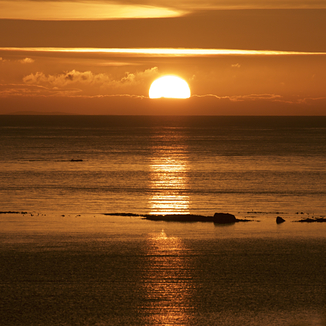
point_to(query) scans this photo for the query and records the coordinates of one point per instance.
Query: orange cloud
(89, 83)
(163, 52)
(266, 98)
(71, 77)
(23, 90)
(78, 10)
(27, 60)
(89, 78)
(255, 97)
(235, 4)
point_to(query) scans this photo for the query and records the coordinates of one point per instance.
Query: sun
(169, 87)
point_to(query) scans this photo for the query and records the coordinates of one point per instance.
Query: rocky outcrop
(311, 220)
(279, 220)
(179, 218)
(224, 218)
(218, 218)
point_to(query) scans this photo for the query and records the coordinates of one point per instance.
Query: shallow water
(102, 270)
(196, 165)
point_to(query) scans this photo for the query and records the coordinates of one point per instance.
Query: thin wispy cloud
(23, 61)
(103, 9)
(80, 10)
(232, 4)
(25, 90)
(181, 52)
(240, 98)
(266, 98)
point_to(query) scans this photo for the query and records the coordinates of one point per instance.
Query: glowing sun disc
(169, 87)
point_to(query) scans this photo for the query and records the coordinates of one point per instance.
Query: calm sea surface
(65, 263)
(163, 164)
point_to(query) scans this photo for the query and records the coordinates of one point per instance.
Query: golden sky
(100, 57)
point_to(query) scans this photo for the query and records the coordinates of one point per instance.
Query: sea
(75, 248)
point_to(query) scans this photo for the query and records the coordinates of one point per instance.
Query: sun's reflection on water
(168, 282)
(169, 178)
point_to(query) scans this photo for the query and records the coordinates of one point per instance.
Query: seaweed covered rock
(224, 218)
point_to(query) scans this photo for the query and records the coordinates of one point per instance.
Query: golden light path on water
(169, 175)
(168, 282)
(159, 51)
(168, 181)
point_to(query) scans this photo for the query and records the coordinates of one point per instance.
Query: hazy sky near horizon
(100, 57)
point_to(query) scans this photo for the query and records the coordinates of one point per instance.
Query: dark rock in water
(122, 214)
(179, 218)
(279, 220)
(224, 218)
(310, 220)
(218, 218)
(12, 212)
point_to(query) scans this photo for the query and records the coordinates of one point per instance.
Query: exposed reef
(179, 218)
(218, 218)
(124, 214)
(312, 220)
(12, 212)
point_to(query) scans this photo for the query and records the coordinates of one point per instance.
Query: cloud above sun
(236, 4)
(122, 9)
(80, 10)
(160, 52)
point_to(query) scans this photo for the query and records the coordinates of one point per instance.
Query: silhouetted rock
(310, 220)
(11, 212)
(224, 218)
(218, 218)
(179, 218)
(279, 220)
(122, 214)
